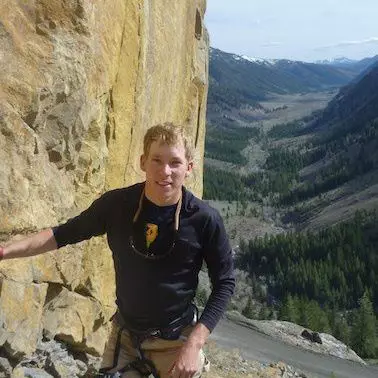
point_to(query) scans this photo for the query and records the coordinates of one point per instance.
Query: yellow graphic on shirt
(151, 233)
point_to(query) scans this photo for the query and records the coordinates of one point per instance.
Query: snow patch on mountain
(337, 61)
(254, 59)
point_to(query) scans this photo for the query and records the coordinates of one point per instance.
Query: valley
(294, 174)
(279, 109)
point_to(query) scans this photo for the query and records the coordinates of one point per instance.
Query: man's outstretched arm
(41, 242)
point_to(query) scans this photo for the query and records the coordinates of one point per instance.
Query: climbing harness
(141, 364)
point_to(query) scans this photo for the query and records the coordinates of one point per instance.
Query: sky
(307, 30)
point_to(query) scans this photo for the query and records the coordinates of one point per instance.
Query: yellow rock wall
(80, 82)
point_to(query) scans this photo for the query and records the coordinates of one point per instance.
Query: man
(159, 234)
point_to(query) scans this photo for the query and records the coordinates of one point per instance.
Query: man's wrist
(198, 336)
(195, 343)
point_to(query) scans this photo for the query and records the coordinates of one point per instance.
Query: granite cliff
(80, 82)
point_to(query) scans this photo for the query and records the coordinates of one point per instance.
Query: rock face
(291, 333)
(80, 82)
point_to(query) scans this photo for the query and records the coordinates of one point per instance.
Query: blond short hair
(170, 134)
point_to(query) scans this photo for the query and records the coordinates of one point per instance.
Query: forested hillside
(355, 105)
(346, 141)
(317, 278)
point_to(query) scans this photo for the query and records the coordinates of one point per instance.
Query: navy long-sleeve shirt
(152, 293)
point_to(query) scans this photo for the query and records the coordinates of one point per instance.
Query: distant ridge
(357, 65)
(238, 79)
(343, 61)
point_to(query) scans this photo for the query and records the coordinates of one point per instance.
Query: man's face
(166, 168)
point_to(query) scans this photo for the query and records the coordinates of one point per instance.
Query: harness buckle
(156, 333)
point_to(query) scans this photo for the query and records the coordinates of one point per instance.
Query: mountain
(343, 61)
(353, 107)
(351, 64)
(343, 174)
(338, 164)
(315, 76)
(364, 64)
(236, 79)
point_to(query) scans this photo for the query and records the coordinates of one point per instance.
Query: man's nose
(167, 169)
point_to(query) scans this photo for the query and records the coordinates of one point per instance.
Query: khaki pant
(161, 352)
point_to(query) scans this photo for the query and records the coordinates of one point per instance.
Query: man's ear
(189, 170)
(142, 163)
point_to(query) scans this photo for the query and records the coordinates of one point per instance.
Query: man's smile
(164, 183)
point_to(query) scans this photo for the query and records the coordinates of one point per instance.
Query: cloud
(349, 43)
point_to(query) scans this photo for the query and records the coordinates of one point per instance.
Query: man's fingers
(171, 370)
(176, 372)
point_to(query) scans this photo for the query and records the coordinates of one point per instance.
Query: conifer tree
(264, 312)
(364, 337)
(248, 310)
(288, 310)
(341, 329)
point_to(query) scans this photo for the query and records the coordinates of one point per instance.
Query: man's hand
(187, 362)
(1, 252)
